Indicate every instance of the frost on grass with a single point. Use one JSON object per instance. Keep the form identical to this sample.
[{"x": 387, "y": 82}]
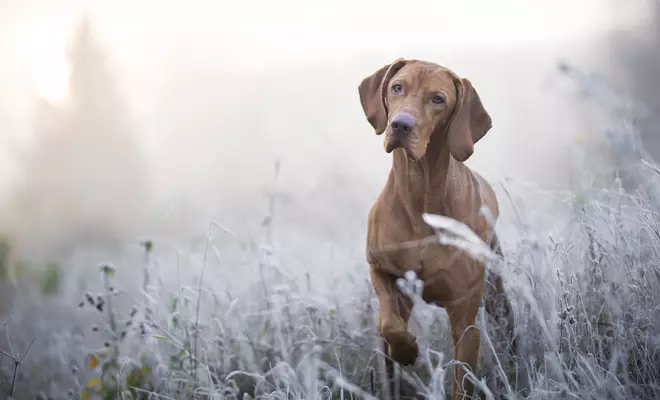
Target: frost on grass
[{"x": 585, "y": 296}]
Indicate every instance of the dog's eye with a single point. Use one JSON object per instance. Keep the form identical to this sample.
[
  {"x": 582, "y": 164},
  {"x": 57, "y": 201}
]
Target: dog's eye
[
  {"x": 437, "y": 99},
  {"x": 397, "y": 88}
]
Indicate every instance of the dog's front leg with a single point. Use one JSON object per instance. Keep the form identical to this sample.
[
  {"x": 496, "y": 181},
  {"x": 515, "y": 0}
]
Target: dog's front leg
[
  {"x": 466, "y": 336},
  {"x": 395, "y": 309}
]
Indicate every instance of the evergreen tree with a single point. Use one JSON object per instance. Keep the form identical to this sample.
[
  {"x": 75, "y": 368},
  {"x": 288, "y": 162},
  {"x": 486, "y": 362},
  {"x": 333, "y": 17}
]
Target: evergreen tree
[{"x": 85, "y": 178}]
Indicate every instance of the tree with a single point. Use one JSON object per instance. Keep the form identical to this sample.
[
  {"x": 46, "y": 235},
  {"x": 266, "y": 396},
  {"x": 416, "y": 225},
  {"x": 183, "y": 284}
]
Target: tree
[{"x": 85, "y": 179}]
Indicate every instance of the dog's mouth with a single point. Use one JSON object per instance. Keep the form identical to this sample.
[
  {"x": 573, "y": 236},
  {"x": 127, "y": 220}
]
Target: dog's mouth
[
  {"x": 396, "y": 143},
  {"x": 393, "y": 144}
]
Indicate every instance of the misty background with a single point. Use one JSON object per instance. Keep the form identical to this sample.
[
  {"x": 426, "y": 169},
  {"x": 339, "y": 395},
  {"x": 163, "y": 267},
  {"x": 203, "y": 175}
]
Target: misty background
[{"x": 249, "y": 116}]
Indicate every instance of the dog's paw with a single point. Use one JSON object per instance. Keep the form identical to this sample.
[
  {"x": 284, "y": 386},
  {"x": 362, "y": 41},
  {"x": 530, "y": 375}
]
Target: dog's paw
[{"x": 403, "y": 347}]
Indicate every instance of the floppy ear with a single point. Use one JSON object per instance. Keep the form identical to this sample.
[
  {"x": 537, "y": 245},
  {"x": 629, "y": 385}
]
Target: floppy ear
[
  {"x": 372, "y": 91},
  {"x": 470, "y": 121}
]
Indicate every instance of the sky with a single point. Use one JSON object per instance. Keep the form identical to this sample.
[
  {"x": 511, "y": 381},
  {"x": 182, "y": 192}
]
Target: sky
[{"x": 254, "y": 35}]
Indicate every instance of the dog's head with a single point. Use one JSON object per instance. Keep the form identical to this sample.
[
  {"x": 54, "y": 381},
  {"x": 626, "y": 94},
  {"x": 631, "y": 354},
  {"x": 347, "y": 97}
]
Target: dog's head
[{"x": 413, "y": 101}]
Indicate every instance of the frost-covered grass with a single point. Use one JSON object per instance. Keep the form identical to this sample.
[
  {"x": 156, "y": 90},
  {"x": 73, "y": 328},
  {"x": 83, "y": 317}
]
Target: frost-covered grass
[
  {"x": 585, "y": 297},
  {"x": 155, "y": 323}
]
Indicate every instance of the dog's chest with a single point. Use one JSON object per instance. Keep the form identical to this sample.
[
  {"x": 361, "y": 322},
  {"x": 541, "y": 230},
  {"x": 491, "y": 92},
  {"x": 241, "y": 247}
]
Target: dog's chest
[
  {"x": 398, "y": 243},
  {"x": 395, "y": 243},
  {"x": 445, "y": 270}
]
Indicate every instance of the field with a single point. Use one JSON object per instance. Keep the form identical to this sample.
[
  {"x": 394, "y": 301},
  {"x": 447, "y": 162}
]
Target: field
[
  {"x": 273, "y": 299},
  {"x": 584, "y": 296}
]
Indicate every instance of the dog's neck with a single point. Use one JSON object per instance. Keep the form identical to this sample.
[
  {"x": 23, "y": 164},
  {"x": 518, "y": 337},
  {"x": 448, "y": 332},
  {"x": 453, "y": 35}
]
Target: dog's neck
[{"x": 421, "y": 186}]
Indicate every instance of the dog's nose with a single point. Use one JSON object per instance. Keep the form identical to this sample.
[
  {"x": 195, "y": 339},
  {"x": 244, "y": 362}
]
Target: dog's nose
[{"x": 402, "y": 123}]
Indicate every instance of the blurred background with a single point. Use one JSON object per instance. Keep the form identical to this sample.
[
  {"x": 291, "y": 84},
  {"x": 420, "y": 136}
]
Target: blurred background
[
  {"x": 123, "y": 118},
  {"x": 130, "y": 121}
]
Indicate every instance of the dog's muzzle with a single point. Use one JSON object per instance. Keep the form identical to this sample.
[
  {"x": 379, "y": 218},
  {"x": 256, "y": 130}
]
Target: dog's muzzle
[{"x": 401, "y": 126}]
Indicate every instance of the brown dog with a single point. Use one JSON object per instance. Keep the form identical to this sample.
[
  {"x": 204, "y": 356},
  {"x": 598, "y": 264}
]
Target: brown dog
[{"x": 431, "y": 118}]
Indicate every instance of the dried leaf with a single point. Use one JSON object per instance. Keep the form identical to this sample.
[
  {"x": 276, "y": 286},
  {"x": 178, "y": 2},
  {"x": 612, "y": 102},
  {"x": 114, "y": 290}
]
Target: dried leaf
[
  {"x": 94, "y": 383},
  {"x": 93, "y": 361},
  {"x": 87, "y": 392}
]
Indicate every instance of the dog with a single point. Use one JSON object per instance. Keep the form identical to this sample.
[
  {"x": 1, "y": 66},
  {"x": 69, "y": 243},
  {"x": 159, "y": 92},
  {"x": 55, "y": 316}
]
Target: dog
[{"x": 432, "y": 119}]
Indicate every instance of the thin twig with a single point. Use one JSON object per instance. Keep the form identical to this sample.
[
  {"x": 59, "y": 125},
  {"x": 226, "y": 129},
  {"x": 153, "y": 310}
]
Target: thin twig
[
  {"x": 209, "y": 235},
  {"x": 651, "y": 166},
  {"x": 17, "y": 362},
  {"x": 7, "y": 334},
  {"x": 199, "y": 303}
]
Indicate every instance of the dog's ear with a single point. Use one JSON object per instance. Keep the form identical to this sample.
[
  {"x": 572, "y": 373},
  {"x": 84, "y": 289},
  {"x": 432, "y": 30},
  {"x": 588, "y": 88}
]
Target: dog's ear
[
  {"x": 373, "y": 90},
  {"x": 469, "y": 123}
]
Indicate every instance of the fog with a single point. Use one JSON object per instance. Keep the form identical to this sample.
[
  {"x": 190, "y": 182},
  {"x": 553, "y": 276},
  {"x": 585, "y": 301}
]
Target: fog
[{"x": 190, "y": 109}]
